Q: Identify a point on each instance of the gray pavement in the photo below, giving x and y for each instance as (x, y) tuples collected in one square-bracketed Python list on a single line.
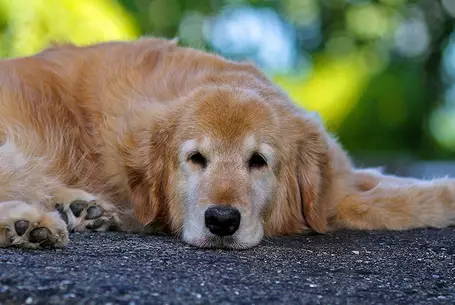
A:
[(413, 267)]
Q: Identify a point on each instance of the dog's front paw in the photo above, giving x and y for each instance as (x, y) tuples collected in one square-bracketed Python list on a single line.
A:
[(86, 212), (26, 226)]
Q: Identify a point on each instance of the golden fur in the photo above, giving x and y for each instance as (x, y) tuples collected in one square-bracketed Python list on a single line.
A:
[(114, 126)]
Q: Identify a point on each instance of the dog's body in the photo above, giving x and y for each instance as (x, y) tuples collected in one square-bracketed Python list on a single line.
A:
[(128, 134)]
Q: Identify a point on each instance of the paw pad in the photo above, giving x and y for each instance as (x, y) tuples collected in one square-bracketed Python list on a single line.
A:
[(84, 215), (93, 212), (39, 235), (78, 206), (21, 227)]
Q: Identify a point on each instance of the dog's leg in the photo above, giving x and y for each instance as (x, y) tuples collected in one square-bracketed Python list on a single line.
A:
[(83, 211), (24, 220), (31, 226), (23, 178), (389, 202)]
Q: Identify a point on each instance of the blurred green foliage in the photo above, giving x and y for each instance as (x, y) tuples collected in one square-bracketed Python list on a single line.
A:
[(27, 26), (380, 73)]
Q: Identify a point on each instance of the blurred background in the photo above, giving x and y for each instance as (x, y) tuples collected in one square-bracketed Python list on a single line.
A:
[(380, 73)]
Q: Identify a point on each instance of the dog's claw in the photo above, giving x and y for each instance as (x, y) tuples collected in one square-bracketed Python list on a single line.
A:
[(96, 224)]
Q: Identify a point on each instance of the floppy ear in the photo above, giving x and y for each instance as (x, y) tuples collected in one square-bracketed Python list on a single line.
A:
[(145, 177), (147, 172), (312, 173)]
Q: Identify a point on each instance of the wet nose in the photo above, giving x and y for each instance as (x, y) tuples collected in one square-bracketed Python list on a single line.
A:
[(222, 220)]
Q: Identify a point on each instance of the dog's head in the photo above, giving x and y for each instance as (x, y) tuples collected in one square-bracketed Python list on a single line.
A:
[(227, 165)]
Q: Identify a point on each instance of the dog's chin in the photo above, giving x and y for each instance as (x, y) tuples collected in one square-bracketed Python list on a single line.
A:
[(211, 241), (216, 242)]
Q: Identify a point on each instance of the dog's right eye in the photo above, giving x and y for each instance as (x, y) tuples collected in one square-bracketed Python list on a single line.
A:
[(257, 161), (198, 159)]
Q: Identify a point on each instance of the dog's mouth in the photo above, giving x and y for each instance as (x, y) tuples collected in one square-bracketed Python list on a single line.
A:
[(220, 242)]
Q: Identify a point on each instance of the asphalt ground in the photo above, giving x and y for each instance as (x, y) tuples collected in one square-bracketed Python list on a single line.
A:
[(349, 267)]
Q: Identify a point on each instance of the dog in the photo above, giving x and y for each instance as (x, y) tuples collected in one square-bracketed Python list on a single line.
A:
[(150, 136)]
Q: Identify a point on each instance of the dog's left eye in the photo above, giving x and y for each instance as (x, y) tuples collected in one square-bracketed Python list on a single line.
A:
[(257, 161)]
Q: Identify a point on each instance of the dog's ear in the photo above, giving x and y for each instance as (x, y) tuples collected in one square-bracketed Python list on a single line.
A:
[(312, 172), (145, 177), (145, 197), (303, 175), (147, 171)]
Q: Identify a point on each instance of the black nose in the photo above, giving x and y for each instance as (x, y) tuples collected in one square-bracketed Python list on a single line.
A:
[(222, 220)]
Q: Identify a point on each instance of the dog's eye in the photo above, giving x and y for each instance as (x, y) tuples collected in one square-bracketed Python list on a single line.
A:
[(257, 161), (198, 159)]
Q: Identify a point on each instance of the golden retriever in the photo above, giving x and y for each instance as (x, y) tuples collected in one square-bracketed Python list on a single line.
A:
[(148, 135)]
